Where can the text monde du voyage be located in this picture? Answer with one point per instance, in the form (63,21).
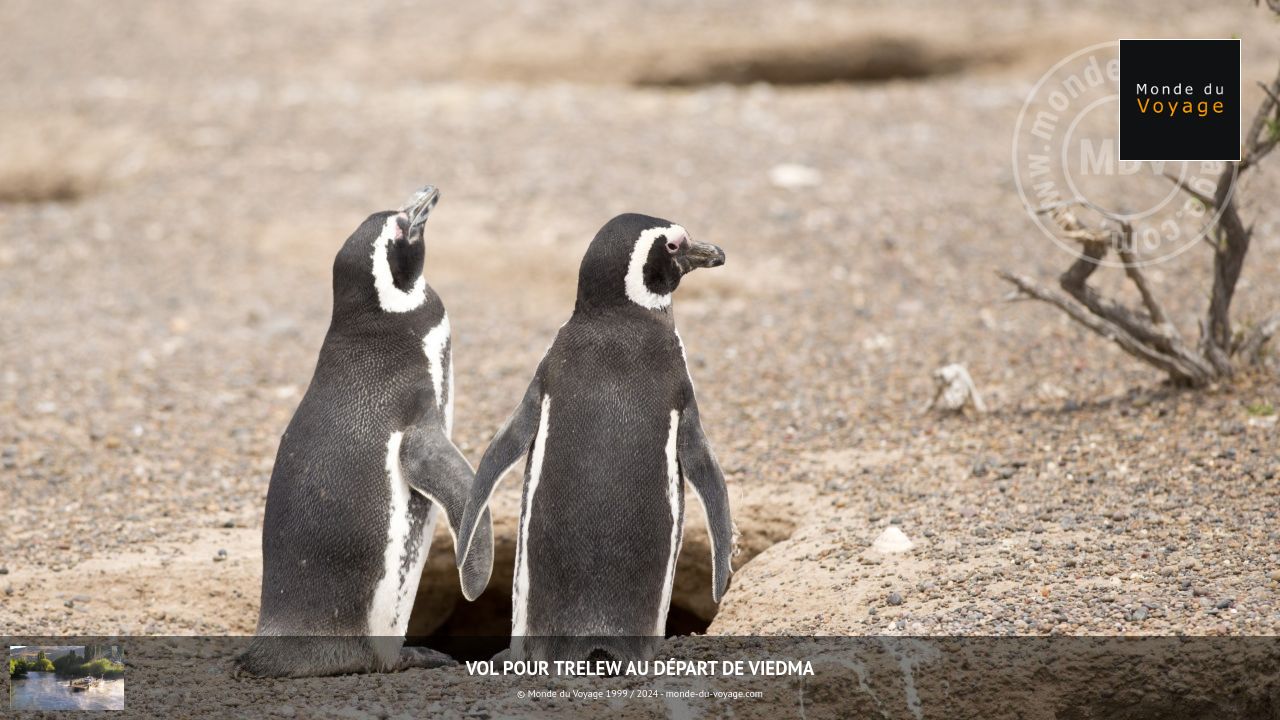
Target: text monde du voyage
(1178,99)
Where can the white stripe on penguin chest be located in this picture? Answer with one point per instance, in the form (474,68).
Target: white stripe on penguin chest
(672,481)
(673,498)
(404,555)
(435,345)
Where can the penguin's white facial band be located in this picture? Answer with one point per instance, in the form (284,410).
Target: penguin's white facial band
(637,291)
(391,298)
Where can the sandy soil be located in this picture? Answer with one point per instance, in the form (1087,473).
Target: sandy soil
(170,201)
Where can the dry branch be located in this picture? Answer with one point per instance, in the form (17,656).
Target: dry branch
(1175,367)
(1208,201)
(1151,336)
(1251,347)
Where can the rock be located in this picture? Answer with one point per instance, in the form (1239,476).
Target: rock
(954,390)
(1275,575)
(894,598)
(4,570)
(1224,603)
(793,177)
(892,541)
(222,555)
(1139,614)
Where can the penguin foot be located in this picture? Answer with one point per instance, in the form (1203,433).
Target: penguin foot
(421,657)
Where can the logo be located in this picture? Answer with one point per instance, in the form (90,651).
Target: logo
(1072,180)
(1180,100)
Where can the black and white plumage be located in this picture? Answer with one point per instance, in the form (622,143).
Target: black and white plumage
(611,429)
(364,469)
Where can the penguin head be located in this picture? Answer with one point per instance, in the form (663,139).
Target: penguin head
(380,265)
(640,259)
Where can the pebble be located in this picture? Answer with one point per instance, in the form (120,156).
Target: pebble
(1225,603)
(222,555)
(4,570)
(892,540)
(894,598)
(792,176)
(1275,575)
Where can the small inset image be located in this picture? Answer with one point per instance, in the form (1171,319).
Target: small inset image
(66,677)
(1180,100)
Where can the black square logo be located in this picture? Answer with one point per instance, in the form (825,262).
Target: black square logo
(1179,99)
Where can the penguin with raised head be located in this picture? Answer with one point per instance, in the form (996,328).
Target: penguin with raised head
(611,429)
(364,470)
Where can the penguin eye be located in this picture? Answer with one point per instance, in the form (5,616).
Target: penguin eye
(672,246)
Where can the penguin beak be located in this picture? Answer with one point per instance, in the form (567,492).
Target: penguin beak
(702,255)
(418,207)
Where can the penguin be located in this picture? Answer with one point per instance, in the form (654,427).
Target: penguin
(611,431)
(364,470)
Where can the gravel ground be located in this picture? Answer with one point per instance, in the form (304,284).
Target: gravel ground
(170,202)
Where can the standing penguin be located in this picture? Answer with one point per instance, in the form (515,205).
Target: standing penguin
(610,425)
(364,468)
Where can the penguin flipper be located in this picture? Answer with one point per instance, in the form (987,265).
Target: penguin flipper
(509,444)
(433,466)
(699,467)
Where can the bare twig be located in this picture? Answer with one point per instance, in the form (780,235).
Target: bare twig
(1251,347)
(1208,201)
(1260,139)
(1233,237)
(1154,309)
(1269,92)
(1178,369)
(1074,283)
(1068,220)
